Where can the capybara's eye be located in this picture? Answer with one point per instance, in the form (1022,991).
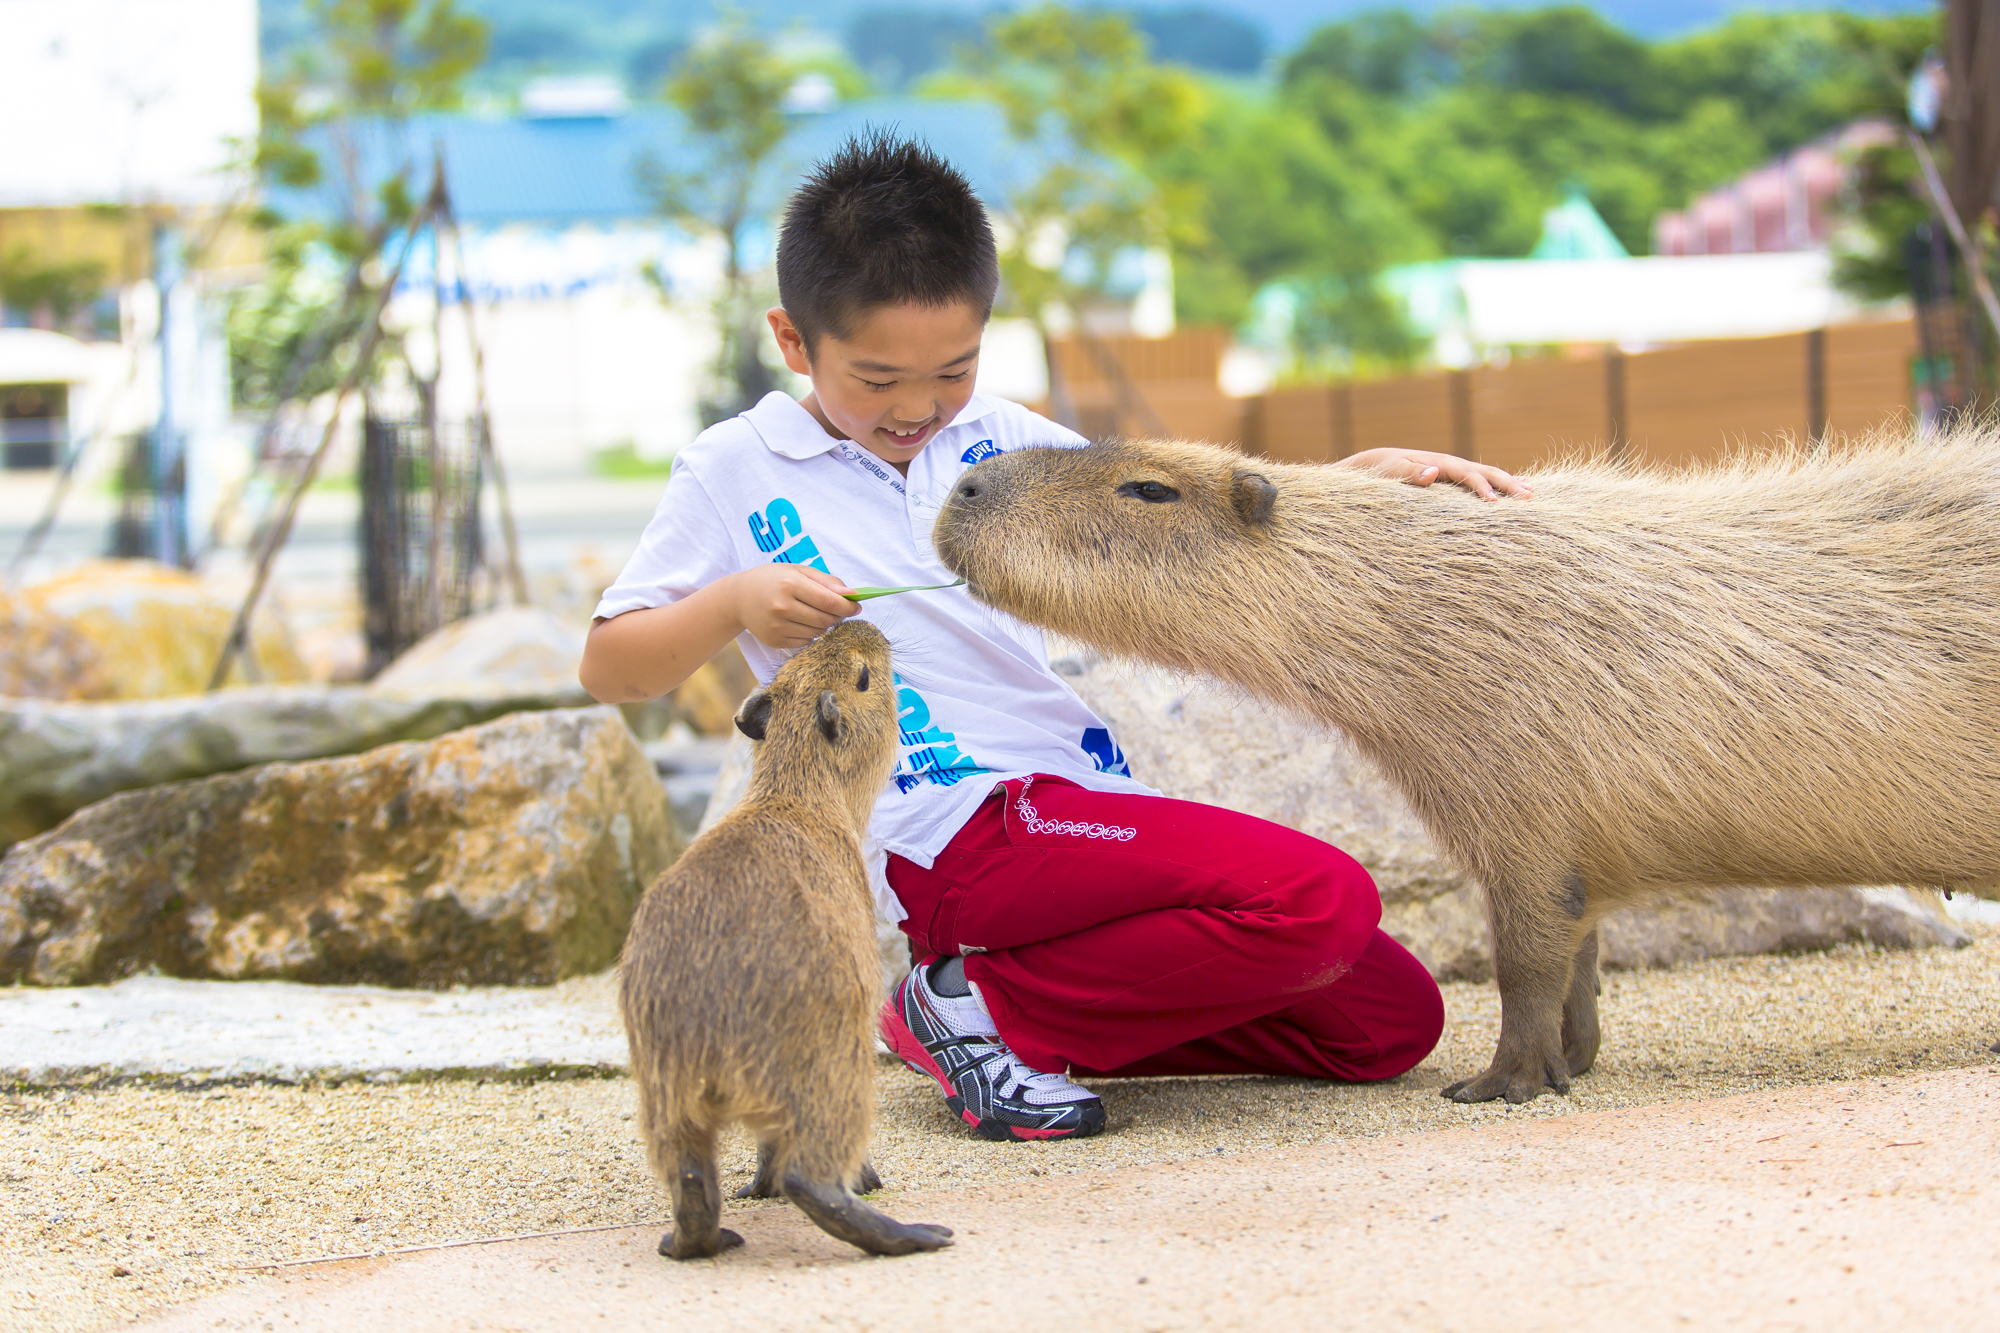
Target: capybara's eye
(1152,492)
(862,684)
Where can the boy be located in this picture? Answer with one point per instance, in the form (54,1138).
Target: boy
(1066,918)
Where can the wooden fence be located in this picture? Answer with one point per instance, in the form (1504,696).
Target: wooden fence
(1684,404)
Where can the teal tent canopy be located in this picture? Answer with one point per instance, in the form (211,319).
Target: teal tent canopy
(1573,230)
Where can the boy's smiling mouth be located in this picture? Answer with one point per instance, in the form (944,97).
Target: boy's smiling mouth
(908,437)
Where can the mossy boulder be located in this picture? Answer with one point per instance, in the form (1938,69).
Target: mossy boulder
(129,629)
(512,852)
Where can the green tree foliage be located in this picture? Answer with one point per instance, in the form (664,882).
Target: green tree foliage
(731,90)
(1079,89)
(1892,208)
(62,291)
(1392,138)
(372,63)
(1272,197)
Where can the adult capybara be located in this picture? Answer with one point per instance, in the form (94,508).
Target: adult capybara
(1778,672)
(750,976)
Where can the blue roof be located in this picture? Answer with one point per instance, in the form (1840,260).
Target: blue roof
(586,169)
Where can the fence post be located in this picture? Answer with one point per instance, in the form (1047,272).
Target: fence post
(1343,422)
(1816,389)
(1462,442)
(1616,423)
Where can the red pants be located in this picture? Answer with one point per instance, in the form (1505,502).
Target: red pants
(1125,935)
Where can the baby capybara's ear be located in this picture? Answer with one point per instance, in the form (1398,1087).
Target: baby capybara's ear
(829,714)
(1254,495)
(754,715)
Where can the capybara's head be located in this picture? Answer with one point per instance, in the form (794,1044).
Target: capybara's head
(1087,541)
(830,710)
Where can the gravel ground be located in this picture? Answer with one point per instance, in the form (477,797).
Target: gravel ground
(125,1199)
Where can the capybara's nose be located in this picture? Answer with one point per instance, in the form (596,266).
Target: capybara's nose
(968,489)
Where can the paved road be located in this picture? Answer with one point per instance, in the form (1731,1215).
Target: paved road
(557,516)
(1862,1206)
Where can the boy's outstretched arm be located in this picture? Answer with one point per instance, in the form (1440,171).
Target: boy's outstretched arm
(1421,467)
(644,654)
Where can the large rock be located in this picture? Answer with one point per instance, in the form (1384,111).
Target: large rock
(44,658)
(707,701)
(1201,741)
(520,649)
(527,649)
(509,852)
(56,758)
(128,629)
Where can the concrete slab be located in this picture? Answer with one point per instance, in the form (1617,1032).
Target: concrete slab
(1861,1205)
(165,1028)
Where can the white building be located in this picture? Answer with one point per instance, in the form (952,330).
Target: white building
(147,105)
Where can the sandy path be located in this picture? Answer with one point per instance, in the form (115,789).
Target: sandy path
(177,1187)
(1850,1206)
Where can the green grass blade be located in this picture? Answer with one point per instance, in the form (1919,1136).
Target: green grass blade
(863,594)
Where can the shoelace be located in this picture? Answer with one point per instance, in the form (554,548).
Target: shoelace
(981,1050)
(1040,1080)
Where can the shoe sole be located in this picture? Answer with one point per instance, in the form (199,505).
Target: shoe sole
(913,1055)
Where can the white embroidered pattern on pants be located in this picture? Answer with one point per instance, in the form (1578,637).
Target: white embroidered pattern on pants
(1036,824)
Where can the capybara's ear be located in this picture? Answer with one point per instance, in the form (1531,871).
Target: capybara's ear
(1254,495)
(754,715)
(829,714)
(861,685)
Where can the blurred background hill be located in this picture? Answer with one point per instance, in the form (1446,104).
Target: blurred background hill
(640,39)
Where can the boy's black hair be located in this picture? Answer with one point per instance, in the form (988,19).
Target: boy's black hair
(883,221)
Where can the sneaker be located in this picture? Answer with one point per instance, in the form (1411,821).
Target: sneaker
(952,1039)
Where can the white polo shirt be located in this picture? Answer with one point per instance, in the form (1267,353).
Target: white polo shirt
(977,700)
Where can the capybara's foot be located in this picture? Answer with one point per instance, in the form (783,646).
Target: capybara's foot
(1579,1050)
(672,1246)
(764,1185)
(868,1181)
(1580,1032)
(1517,1080)
(908,1238)
(1580,1036)
(837,1212)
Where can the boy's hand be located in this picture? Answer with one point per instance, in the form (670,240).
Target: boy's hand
(1420,467)
(788,606)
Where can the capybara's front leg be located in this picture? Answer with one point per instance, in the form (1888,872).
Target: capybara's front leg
(1533,944)
(835,1210)
(697,1203)
(1580,1034)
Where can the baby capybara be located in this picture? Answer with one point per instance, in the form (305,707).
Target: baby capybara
(1776,672)
(750,976)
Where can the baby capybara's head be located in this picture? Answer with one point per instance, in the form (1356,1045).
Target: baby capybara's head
(1080,540)
(831,708)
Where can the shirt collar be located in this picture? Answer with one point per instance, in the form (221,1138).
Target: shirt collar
(786,428)
(790,431)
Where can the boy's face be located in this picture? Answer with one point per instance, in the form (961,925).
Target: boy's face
(899,377)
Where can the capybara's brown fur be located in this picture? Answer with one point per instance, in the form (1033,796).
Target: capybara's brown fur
(1782,671)
(750,975)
